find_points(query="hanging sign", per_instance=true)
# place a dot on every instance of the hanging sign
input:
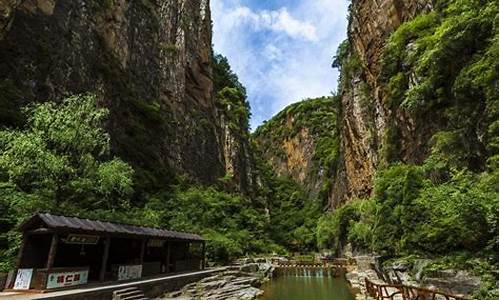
(129, 272)
(82, 239)
(23, 279)
(63, 279)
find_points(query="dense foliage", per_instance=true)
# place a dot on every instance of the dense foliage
(60, 162)
(443, 66)
(233, 227)
(413, 214)
(231, 97)
(293, 215)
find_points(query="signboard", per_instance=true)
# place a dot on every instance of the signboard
(129, 272)
(156, 243)
(63, 279)
(81, 239)
(23, 279)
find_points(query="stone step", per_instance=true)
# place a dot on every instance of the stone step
(132, 293)
(135, 297)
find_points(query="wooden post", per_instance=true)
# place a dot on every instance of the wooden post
(51, 258)
(19, 261)
(203, 255)
(104, 262)
(143, 250)
(52, 252)
(168, 256)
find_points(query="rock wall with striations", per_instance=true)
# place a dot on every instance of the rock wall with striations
(149, 62)
(301, 143)
(363, 117)
(239, 157)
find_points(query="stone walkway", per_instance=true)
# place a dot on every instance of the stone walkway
(238, 282)
(110, 287)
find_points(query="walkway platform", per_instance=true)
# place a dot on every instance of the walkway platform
(152, 287)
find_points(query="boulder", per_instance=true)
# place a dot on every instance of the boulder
(250, 268)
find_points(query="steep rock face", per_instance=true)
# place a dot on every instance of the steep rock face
(364, 121)
(148, 61)
(233, 113)
(301, 143)
(239, 160)
(295, 159)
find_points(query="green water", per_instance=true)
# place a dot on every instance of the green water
(306, 288)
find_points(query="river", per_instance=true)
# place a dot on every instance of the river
(306, 288)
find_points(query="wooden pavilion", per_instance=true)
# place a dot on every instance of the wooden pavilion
(60, 252)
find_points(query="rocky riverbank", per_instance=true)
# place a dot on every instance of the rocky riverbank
(237, 282)
(356, 274)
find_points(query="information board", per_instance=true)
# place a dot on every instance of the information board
(57, 280)
(23, 279)
(129, 272)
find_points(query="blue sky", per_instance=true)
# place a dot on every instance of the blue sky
(281, 50)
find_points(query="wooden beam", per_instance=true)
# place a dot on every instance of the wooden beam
(104, 261)
(203, 255)
(143, 250)
(39, 231)
(168, 256)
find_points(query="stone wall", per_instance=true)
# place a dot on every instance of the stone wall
(152, 288)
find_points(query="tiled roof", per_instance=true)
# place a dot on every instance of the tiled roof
(62, 222)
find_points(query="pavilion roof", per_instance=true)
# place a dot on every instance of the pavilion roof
(59, 222)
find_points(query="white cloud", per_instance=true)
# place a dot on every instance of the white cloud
(274, 20)
(283, 55)
(272, 52)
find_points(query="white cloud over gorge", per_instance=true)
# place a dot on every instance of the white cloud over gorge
(281, 55)
(276, 20)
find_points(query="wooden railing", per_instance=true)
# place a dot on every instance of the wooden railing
(397, 292)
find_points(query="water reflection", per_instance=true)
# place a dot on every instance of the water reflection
(306, 288)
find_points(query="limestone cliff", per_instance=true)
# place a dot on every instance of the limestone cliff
(239, 161)
(149, 62)
(419, 84)
(363, 117)
(301, 142)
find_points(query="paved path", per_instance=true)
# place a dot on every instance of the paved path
(110, 286)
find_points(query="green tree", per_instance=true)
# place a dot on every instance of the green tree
(60, 162)
(229, 222)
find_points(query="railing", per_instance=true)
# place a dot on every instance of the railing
(317, 264)
(397, 292)
(295, 264)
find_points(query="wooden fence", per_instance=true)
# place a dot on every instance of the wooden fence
(403, 292)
